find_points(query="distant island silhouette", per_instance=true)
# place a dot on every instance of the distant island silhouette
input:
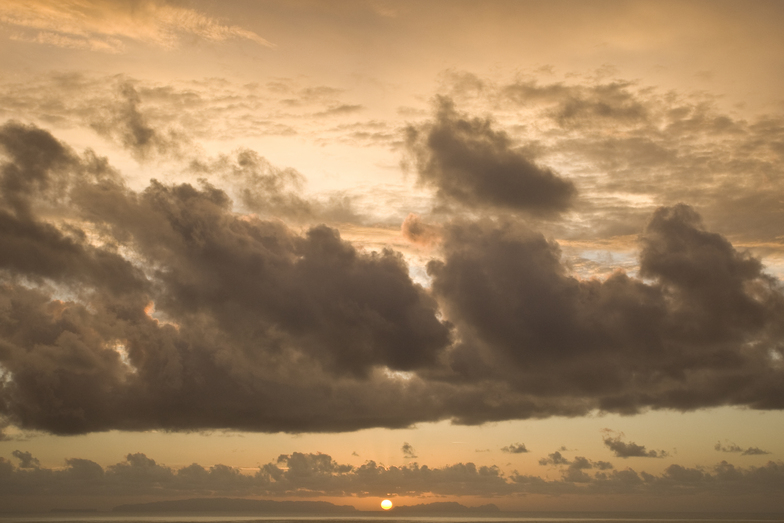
(236, 505)
(267, 506)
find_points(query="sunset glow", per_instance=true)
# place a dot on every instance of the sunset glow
(484, 257)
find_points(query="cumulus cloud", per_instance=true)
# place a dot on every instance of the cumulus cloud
(244, 301)
(471, 163)
(672, 340)
(166, 308)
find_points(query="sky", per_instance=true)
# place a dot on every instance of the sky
(524, 253)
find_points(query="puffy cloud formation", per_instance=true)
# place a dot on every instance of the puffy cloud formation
(471, 163)
(307, 474)
(515, 448)
(166, 308)
(705, 316)
(245, 305)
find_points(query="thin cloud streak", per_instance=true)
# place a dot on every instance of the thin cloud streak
(101, 24)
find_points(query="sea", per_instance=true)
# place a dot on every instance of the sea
(506, 517)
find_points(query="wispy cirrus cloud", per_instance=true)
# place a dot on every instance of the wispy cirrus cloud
(102, 25)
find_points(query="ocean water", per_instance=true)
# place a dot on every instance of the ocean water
(505, 517)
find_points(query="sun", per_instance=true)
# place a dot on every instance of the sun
(386, 504)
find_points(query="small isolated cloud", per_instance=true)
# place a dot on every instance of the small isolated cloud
(515, 448)
(26, 460)
(408, 451)
(631, 449)
(733, 447)
(754, 451)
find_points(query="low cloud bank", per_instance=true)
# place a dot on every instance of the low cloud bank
(311, 475)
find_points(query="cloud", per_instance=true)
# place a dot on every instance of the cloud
(417, 231)
(259, 186)
(556, 458)
(470, 163)
(622, 344)
(408, 451)
(103, 25)
(317, 474)
(629, 147)
(343, 109)
(133, 304)
(26, 460)
(515, 448)
(242, 301)
(572, 105)
(732, 447)
(631, 449)
(129, 126)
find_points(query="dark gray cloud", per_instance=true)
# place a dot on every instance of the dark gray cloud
(245, 304)
(675, 340)
(623, 449)
(471, 163)
(164, 308)
(37, 167)
(515, 448)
